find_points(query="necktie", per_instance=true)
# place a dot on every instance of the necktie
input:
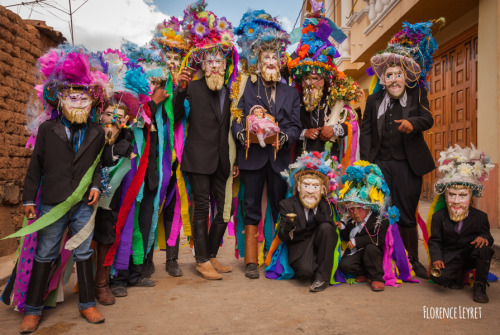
(310, 218)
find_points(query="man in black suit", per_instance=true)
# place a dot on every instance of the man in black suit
(307, 228)
(392, 137)
(283, 103)
(205, 158)
(66, 148)
(460, 237)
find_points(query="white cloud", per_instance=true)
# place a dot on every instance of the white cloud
(286, 23)
(99, 24)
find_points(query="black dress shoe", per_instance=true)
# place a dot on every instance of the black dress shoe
(252, 271)
(118, 290)
(142, 282)
(173, 269)
(479, 292)
(318, 286)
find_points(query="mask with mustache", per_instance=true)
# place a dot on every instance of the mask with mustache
(394, 81)
(458, 200)
(214, 67)
(310, 189)
(269, 66)
(76, 106)
(312, 97)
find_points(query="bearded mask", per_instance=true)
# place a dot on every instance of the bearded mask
(394, 81)
(311, 189)
(214, 68)
(269, 66)
(313, 91)
(458, 200)
(112, 119)
(173, 60)
(76, 105)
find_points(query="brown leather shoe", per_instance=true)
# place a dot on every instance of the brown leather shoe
(29, 324)
(207, 271)
(377, 286)
(361, 279)
(220, 268)
(103, 294)
(92, 315)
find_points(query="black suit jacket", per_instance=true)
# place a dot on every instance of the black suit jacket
(207, 137)
(445, 243)
(362, 239)
(417, 112)
(286, 113)
(54, 163)
(302, 232)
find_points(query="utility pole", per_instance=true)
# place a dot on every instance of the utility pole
(71, 23)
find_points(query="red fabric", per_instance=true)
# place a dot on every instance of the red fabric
(129, 199)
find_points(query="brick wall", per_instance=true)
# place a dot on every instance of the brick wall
(22, 42)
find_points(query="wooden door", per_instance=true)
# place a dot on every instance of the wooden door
(452, 100)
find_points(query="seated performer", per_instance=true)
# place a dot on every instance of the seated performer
(460, 234)
(364, 227)
(306, 224)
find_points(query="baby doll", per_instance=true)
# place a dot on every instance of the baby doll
(261, 124)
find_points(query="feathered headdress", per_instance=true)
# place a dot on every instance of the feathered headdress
(316, 50)
(467, 167)
(365, 184)
(205, 33)
(316, 163)
(258, 30)
(412, 49)
(168, 34)
(149, 57)
(127, 81)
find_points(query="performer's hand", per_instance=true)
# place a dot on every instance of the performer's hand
(405, 126)
(93, 197)
(350, 245)
(184, 78)
(480, 242)
(312, 133)
(236, 171)
(338, 224)
(326, 133)
(159, 95)
(29, 212)
(438, 264)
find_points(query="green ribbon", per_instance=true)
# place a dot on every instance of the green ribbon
(58, 211)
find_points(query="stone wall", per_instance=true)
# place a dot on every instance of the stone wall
(22, 42)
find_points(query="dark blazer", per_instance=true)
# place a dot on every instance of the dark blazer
(317, 144)
(54, 163)
(362, 239)
(207, 137)
(445, 243)
(302, 232)
(286, 113)
(417, 112)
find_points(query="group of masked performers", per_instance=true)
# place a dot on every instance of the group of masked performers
(134, 145)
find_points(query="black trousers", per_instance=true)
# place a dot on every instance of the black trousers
(405, 187)
(105, 223)
(454, 270)
(254, 185)
(202, 185)
(313, 257)
(134, 272)
(367, 260)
